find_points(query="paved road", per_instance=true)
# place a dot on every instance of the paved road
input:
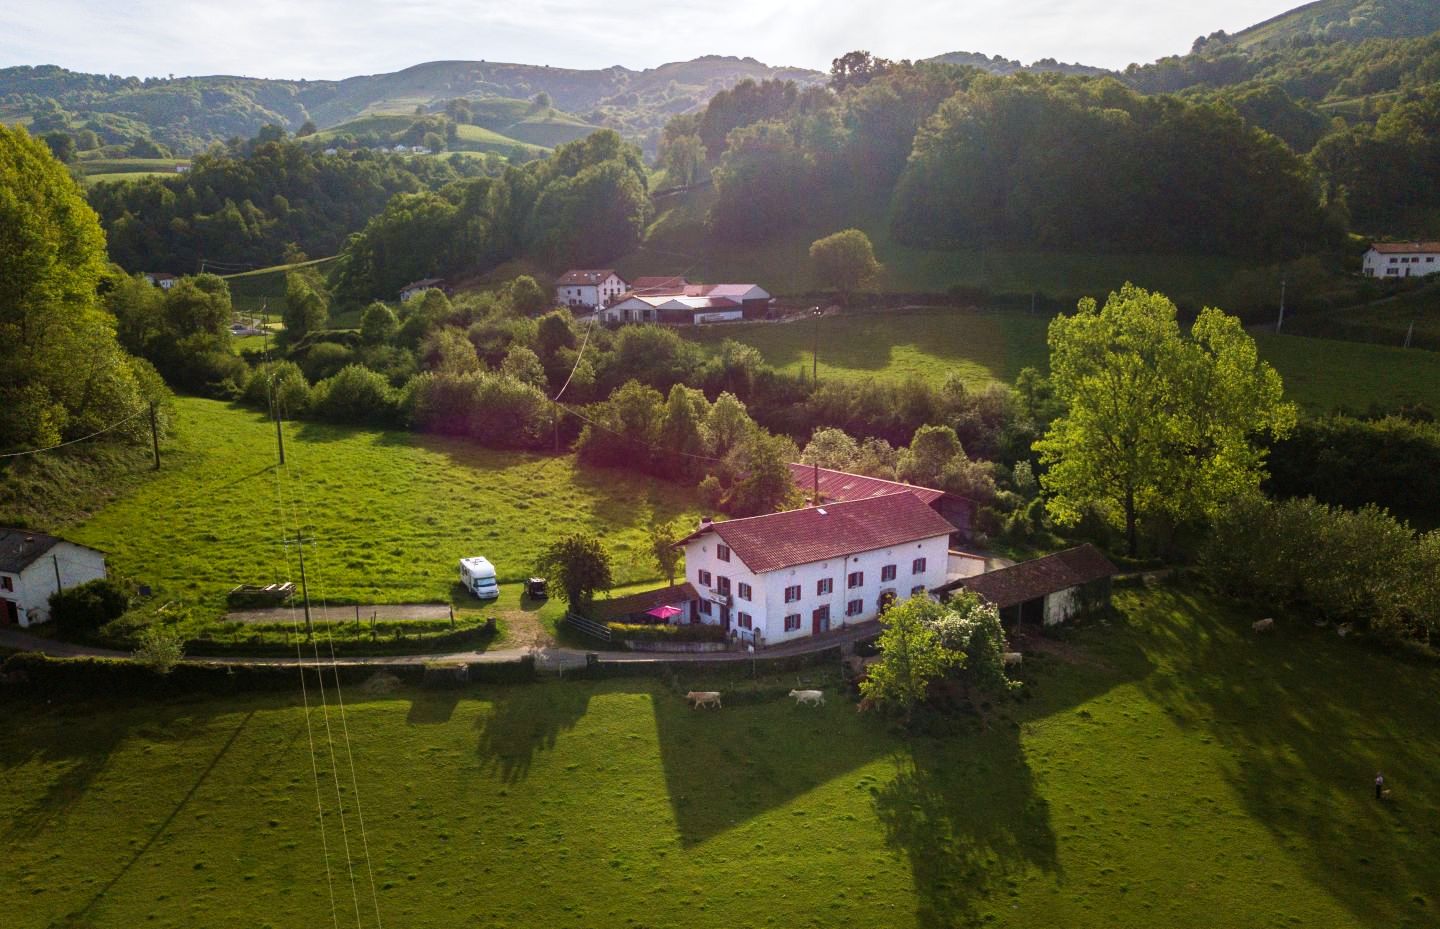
(546, 657)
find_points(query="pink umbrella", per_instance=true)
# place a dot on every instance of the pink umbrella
(663, 613)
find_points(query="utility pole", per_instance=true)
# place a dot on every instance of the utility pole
(304, 587)
(1280, 321)
(155, 436)
(815, 349)
(279, 434)
(555, 417)
(1409, 333)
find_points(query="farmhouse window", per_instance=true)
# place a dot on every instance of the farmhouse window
(1393, 260)
(705, 607)
(722, 552)
(856, 579)
(704, 578)
(887, 573)
(745, 592)
(917, 590)
(745, 621)
(6, 584)
(792, 622)
(854, 607)
(792, 593)
(917, 566)
(722, 584)
(824, 586)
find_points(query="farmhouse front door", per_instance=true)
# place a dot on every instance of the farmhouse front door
(9, 613)
(820, 620)
(725, 617)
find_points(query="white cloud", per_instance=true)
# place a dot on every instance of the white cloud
(335, 38)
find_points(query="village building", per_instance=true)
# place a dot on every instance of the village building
(416, 288)
(1043, 591)
(783, 576)
(825, 485)
(677, 302)
(1402, 259)
(586, 289)
(161, 279)
(33, 566)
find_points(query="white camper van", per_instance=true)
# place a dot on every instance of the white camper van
(478, 576)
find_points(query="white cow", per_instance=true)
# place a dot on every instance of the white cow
(1012, 658)
(699, 698)
(1262, 625)
(808, 697)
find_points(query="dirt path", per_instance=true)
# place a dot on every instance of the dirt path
(524, 630)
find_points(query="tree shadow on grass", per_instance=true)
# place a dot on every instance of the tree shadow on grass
(525, 719)
(966, 813)
(1307, 719)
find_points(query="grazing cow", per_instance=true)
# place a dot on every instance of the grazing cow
(1012, 658)
(699, 698)
(808, 697)
(1263, 625)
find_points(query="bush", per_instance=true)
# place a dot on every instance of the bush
(355, 395)
(326, 359)
(288, 383)
(89, 606)
(661, 632)
(160, 649)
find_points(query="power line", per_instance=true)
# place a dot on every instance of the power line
(50, 448)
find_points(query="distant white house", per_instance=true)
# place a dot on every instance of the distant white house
(331, 151)
(586, 288)
(783, 576)
(161, 279)
(182, 169)
(416, 288)
(419, 150)
(33, 566)
(1402, 259)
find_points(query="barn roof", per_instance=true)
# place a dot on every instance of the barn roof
(641, 602)
(820, 533)
(19, 548)
(659, 285)
(1397, 248)
(842, 486)
(583, 277)
(1039, 577)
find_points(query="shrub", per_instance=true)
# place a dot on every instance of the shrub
(326, 359)
(288, 383)
(88, 606)
(160, 649)
(660, 632)
(355, 395)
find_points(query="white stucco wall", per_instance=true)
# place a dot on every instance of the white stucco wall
(768, 607)
(1404, 264)
(36, 583)
(1061, 605)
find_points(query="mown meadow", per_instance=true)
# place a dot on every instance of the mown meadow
(989, 345)
(1164, 766)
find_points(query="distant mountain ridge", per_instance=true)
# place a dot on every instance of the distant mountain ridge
(997, 64)
(189, 113)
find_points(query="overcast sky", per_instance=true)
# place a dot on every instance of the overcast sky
(338, 38)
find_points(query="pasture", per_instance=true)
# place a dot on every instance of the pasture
(985, 346)
(1166, 768)
(390, 513)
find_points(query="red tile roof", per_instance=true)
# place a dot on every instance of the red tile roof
(583, 277)
(1396, 248)
(659, 285)
(841, 486)
(1031, 579)
(820, 533)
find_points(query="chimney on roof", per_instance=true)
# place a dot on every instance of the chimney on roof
(706, 522)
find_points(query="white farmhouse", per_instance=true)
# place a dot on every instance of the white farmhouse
(770, 579)
(33, 566)
(415, 288)
(1402, 259)
(585, 289)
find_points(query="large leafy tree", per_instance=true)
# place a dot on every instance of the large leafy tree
(845, 262)
(64, 373)
(1156, 423)
(912, 655)
(581, 566)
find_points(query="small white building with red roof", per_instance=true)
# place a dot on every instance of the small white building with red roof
(782, 576)
(1402, 259)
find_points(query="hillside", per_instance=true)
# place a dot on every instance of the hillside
(187, 114)
(997, 64)
(1348, 20)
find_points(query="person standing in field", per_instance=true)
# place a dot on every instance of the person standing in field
(1379, 786)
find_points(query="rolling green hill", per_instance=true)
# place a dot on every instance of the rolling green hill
(1350, 20)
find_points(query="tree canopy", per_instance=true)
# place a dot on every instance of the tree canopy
(1156, 423)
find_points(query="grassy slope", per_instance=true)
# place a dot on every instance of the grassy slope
(252, 290)
(391, 512)
(676, 244)
(1180, 773)
(1384, 321)
(984, 346)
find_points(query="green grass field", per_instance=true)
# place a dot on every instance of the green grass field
(1168, 769)
(1384, 322)
(676, 244)
(253, 290)
(123, 176)
(390, 512)
(985, 346)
